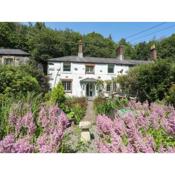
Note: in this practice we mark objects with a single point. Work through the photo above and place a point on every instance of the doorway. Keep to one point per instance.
(90, 89)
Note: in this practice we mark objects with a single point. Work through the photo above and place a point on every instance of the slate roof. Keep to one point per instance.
(98, 60)
(17, 52)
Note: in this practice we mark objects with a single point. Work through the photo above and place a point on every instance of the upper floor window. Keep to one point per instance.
(67, 84)
(8, 61)
(110, 68)
(66, 67)
(89, 69)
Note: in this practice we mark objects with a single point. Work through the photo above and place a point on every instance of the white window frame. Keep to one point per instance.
(65, 85)
(90, 71)
(108, 85)
(110, 67)
(65, 64)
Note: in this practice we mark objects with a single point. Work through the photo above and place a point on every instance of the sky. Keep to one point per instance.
(134, 32)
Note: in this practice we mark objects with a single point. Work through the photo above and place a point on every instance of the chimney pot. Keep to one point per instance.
(80, 49)
(120, 52)
(153, 52)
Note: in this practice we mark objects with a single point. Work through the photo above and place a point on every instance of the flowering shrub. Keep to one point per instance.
(28, 134)
(146, 129)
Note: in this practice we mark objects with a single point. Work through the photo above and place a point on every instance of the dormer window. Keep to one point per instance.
(89, 69)
(110, 68)
(66, 67)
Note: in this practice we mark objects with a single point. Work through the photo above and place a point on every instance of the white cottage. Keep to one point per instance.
(79, 75)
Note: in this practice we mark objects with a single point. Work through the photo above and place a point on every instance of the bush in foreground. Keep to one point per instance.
(14, 81)
(146, 129)
(75, 108)
(28, 134)
(107, 106)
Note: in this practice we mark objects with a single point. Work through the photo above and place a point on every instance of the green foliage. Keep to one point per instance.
(14, 81)
(166, 48)
(75, 108)
(98, 46)
(57, 95)
(148, 82)
(170, 97)
(107, 106)
(161, 138)
(34, 71)
(19, 106)
(13, 35)
(76, 113)
(141, 51)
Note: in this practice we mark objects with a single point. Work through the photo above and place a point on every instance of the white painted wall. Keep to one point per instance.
(55, 73)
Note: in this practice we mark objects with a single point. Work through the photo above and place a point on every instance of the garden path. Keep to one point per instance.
(91, 117)
(90, 113)
(74, 133)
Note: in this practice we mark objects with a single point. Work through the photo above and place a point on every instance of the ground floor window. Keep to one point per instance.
(108, 87)
(8, 61)
(67, 84)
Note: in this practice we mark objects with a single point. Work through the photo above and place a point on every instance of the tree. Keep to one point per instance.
(35, 72)
(13, 35)
(98, 46)
(142, 51)
(14, 81)
(166, 48)
(149, 82)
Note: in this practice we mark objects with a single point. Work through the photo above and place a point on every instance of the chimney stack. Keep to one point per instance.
(80, 49)
(120, 52)
(153, 52)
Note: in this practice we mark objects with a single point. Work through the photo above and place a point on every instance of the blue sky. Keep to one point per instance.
(120, 30)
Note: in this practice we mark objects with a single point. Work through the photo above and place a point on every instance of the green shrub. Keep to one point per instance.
(170, 97)
(37, 73)
(75, 108)
(76, 113)
(57, 95)
(149, 82)
(107, 106)
(14, 81)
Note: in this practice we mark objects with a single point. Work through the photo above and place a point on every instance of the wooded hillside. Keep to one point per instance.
(44, 43)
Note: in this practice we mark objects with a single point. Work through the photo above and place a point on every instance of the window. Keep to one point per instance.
(8, 61)
(108, 87)
(67, 84)
(89, 69)
(110, 68)
(66, 67)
